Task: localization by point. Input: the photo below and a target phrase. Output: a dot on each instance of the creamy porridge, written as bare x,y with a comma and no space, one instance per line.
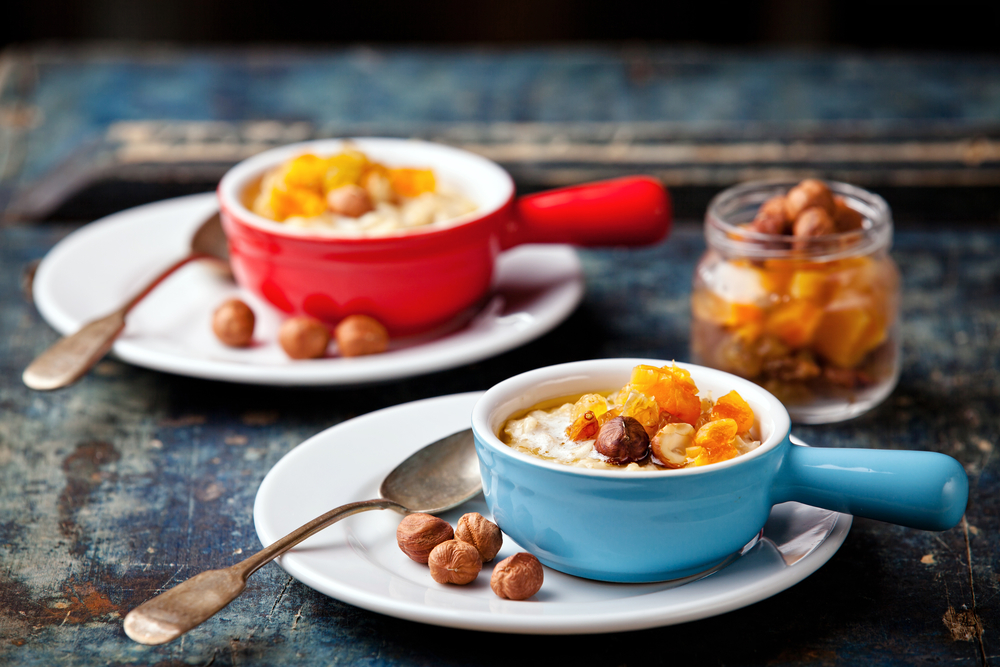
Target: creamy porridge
656,421
349,195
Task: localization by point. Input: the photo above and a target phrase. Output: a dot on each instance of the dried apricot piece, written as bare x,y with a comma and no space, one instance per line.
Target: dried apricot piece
671,387
715,439
795,322
286,202
585,427
412,182
732,406
305,171
344,169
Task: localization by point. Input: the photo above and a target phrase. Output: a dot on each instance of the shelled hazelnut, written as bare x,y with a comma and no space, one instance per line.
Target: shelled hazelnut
303,338
814,221
233,323
351,200
481,533
808,194
357,335
454,562
419,533
517,577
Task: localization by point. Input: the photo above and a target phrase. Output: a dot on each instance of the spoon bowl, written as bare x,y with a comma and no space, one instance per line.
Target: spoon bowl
438,477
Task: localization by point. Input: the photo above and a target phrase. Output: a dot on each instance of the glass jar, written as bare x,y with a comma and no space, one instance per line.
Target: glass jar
813,320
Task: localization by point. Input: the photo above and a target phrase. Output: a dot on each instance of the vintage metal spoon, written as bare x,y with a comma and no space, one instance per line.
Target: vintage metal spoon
442,475
69,358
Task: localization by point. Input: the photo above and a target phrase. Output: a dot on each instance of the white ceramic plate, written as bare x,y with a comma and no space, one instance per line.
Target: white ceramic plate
94,270
357,560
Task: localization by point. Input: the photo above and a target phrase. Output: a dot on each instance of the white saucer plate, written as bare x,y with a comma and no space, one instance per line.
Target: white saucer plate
97,268
357,560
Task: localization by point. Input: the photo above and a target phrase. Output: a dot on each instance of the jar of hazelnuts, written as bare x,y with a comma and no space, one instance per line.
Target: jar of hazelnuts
797,292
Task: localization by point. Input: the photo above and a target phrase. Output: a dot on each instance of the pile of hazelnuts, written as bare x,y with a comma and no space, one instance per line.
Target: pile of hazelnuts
809,209
302,337
456,556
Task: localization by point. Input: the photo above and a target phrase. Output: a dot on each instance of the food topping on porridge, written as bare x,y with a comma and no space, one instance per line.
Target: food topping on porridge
656,421
350,195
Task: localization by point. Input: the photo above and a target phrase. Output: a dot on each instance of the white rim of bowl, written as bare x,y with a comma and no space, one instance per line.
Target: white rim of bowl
536,380
241,175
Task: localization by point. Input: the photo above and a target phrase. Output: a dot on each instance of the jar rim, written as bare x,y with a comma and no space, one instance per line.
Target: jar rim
723,233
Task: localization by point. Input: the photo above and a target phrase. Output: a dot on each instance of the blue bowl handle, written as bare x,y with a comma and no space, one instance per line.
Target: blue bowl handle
923,490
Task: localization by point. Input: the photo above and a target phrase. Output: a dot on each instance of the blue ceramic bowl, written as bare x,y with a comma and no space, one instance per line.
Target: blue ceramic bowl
624,526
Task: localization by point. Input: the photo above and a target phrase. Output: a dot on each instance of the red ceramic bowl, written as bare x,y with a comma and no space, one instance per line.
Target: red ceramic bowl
418,279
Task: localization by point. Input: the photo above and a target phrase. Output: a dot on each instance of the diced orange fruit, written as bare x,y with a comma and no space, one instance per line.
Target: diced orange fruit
305,171
710,307
776,280
732,406
412,182
845,335
296,201
671,387
344,169
811,285
715,438
795,322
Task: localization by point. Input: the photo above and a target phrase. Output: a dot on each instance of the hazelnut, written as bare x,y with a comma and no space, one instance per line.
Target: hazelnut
770,218
481,533
454,562
807,194
670,444
233,323
622,440
813,222
517,577
419,533
352,201
845,217
303,338
359,334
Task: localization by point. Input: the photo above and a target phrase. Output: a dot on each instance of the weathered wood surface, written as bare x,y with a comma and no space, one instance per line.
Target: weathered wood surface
132,480
74,120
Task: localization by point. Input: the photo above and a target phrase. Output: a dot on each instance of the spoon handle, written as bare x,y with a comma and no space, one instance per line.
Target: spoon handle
187,605
70,357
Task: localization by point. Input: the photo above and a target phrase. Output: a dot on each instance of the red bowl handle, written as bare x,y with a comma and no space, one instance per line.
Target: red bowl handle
634,210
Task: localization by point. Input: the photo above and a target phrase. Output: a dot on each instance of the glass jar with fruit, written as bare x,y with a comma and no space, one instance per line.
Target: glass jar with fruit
797,292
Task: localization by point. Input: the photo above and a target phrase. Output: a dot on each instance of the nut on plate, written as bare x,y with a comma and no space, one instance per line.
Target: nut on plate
623,440
517,577
454,562
357,335
419,533
481,533
303,338
233,323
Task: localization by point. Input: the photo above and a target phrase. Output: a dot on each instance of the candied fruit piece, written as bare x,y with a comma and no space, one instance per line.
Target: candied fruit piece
732,406
344,169
812,285
305,171
590,402
795,322
671,387
715,439
644,410
287,202
585,427
412,182
846,335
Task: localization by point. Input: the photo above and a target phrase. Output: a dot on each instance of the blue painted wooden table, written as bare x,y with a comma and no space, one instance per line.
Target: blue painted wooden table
130,481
